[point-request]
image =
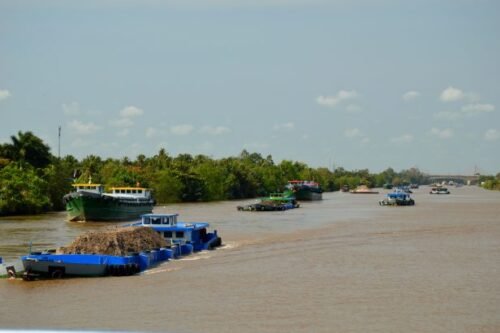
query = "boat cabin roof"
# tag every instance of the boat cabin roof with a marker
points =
(128, 188)
(168, 222)
(85, 185)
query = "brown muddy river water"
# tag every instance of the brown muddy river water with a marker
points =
(344, 264)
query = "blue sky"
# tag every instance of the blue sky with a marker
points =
(357, 84)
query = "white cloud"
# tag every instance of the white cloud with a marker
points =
(71, 109)
(405, 138)
(217, 130)
(410, 95)
(447, 115)
(83, 128)
(123, 132)
(492, 135)
(353, 133)
(451, 94)
(151, 132)
(477, 108)
(353, 108)
(333, 101)
(182, 129)
(442, 134)
(122, 122)
(285, 127)
(4, 94)
(131, 111)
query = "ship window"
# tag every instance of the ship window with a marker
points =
(167, 234)
(179, 234)
(146, 221)
(139, 191)
(128, 191)
(156, 220)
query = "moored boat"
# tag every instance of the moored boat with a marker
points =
(305, 190)
(89, 202)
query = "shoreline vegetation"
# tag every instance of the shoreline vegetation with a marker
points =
(34, 181)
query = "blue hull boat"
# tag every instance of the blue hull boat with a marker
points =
(190, 237)
(45, 264)
(182, 239)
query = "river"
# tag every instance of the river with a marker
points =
(344, 264)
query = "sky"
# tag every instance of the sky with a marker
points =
(356, 84)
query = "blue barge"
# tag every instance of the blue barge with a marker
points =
(188, 236)
(181, 238)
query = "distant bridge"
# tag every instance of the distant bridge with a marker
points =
(465, 179)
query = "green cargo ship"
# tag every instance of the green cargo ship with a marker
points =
(89, 202)
(305, 190)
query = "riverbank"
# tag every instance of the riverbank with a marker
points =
(344, 264)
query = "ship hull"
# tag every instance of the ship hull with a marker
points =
(88, 207)
(306, 194)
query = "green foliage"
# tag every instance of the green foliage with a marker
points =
(32, 180)
(22, 191)
(490, 182)
(27, 148)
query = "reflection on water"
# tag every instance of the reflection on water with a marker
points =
(344, 264)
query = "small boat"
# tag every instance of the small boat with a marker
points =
(188, 236)
(397, 198)
(89, 202)
(439, 190)
(274, 202)
(305, 190)
(363, 189)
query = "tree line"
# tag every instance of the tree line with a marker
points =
(32, 180)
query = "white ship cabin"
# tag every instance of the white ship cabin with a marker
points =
(132, 192)
(94, 188)
(166, 220)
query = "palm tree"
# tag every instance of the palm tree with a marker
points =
(28, 148)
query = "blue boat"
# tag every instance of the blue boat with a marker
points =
(188, 237)
(52, 265)
(397, 198)
(182, 239)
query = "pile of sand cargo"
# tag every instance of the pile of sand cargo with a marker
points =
(116, 241)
